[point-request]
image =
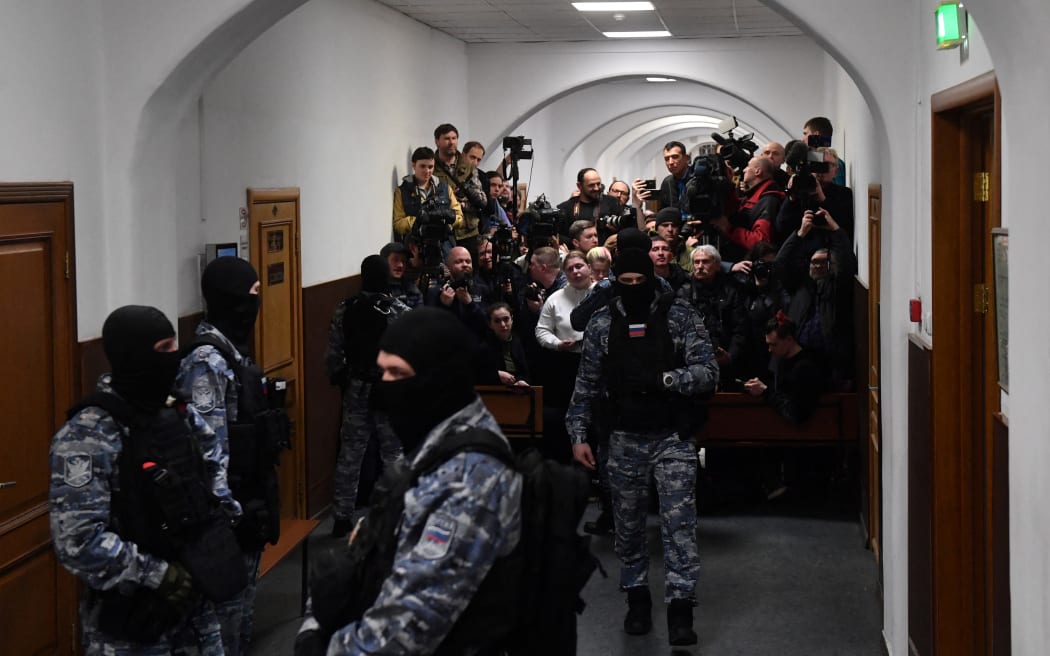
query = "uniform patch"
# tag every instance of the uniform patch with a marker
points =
(77, 470)
(636, 330)
(437, 538)
(203, 395)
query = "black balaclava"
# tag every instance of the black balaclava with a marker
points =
(143, 377)
(375, 274)
(633, 238)
(636, 298)
(230, 308)
(441, 351)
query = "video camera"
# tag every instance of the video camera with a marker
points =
(706, 189)
(433, 226)
(805, 160)
(539, 222)
(519, 147)
(736, 151)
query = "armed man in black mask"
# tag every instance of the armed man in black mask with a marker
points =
(247, 414)
(136, 511)
(645, 357)
(458, 517)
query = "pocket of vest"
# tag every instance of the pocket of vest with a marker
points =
(214, 560)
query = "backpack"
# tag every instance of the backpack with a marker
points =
(528, 602)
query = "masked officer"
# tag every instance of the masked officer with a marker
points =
(644, 356)
(222, 383)
(353, 344)
(457, 519)
(134, 505)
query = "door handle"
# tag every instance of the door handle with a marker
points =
(873, 388)
(4, 484)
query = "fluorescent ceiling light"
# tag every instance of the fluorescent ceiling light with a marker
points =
(660, 79)
(637, 35)
(614, 6)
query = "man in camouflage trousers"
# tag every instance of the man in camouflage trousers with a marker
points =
(457, 519)
(644, 357)
(131, 591)
(353, 344)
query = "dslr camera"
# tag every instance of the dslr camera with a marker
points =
(627, 218)
(761, 270)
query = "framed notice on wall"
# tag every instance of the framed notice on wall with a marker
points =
(1000, 249)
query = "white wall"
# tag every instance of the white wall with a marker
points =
(331, 100)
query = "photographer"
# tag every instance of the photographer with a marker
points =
(421, 192)
(460, 293)
(672, 189)
(590, 203)
(495, 215)
(821, 300)
(459, 174)
(753, 222)
(821, 192)
(764, 296)
(668, 227)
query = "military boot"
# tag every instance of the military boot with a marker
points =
(680, 622)
(639, 620)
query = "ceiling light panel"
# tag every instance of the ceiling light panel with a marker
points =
(652, 34)
(613, 6)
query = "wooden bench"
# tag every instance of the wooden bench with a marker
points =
(518, 410)
(739, 419)
(293, 533)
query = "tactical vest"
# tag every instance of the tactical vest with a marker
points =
(364, 323)
(262, 429)
(164, 504)
(652, 353)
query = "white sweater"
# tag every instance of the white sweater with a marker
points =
(554, 326)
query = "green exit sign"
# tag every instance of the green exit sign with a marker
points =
(951, 25)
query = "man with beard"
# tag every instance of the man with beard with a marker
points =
(401, 286)
(222, 383)
(590, 203)
(461, 176)
(459, 516)
(461, 294)
(649, 354)
(107, 522)
(353, 342)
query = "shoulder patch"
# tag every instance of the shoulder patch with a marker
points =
(437, 537)
(203, 395)
(76, 469)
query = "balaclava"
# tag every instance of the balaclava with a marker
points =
(375, 274)
(143, 377)
(226, 283)
(633, 238)
(441, 351)
(636, 298)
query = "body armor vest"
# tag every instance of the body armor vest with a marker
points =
(653, 353)
(256, 438)
(364, 323)
(164, 504)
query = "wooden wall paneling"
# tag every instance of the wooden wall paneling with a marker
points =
(1000, 557)
(323, 404)
(861, 363)
(920, 500)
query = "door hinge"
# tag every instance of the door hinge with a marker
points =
(980, 298)
(67, 265)
(980, 186)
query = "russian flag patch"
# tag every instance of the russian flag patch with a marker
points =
(437, 538)
(636, 330)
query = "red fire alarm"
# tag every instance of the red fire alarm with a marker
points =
(915, 310)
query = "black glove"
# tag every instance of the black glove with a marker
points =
(176, 588)
(310, 643)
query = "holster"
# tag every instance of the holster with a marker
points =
(215, 562)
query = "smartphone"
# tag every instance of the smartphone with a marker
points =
(650, 185)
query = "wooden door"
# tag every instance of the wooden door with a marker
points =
(965, 208)
(37, 343)
(874, 441)
(274, 239)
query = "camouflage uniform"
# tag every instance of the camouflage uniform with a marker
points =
(360, 422)
(457, 521)
(207, 382)
(84, 456)
(634, 455)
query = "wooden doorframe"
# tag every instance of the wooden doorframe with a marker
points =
(873, 375)
(297, 455)
(961, 253)
(66, 390)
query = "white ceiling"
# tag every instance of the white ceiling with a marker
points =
(521, 21)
